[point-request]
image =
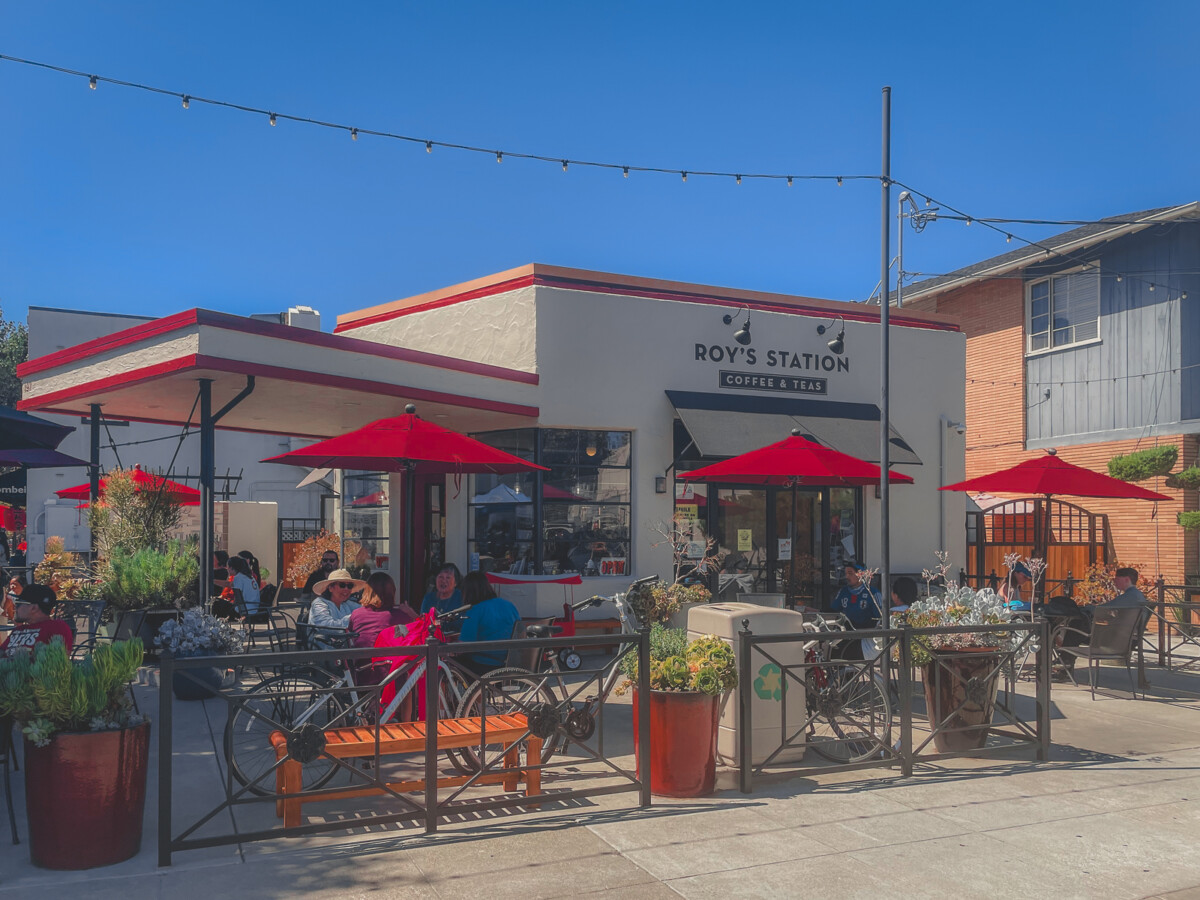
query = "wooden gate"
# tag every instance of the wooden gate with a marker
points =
(1067, 536)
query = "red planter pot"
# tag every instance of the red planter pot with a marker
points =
(683, 742)
(84, 796)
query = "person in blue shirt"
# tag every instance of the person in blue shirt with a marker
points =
(445, 595)
(1013, 590)
(490, 618)
(858, 602)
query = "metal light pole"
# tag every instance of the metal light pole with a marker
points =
(885, 506)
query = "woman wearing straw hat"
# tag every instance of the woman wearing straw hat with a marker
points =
(332, 608)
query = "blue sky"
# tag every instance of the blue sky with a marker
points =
(117, 200)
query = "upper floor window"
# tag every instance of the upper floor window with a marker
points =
(1063, 309)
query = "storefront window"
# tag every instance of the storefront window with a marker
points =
(581, 507)
(365, 507)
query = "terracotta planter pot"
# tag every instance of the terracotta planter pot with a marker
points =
(683, 742)
(84, 796)
(963, 681)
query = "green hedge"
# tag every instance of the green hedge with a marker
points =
(1143, 464)
(1189, 520)
(1188, 479)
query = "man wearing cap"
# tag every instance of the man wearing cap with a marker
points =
(857, 601)
(34, 625)
(332, 608)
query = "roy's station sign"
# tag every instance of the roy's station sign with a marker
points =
(774, 370)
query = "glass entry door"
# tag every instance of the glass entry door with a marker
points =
(742, 538)
(798, 530)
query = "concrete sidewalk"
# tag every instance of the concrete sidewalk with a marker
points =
(1116, 813)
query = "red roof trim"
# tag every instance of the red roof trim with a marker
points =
(108, 342)
(501, 287)
(65, 411)
(245, 325)
(361, 384)
(238, 367)
(581, 284)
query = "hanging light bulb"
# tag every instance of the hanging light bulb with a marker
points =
(839, 180)
(564, 162)
(739, 178)
(92, 82)
(684, 174)
(1152, 286)
(1008, 239)
(1120, 278)
(929, 202)
(625, 171)
(429, 146)
(1183, 296)
(789, 181)
(187, 101)
(272, 120)
(968, 221)
(499, 157)
(354, 134)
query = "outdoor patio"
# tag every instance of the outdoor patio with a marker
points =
(1112, 814)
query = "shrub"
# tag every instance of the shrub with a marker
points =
(59, 569)
(1143, 464)
(658, 601)
(706, 664)
(1188, 479)
(128, 519)
(151, 578)
(1189, 520)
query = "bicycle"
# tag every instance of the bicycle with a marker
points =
(314, 694)
(849, 715)
(540, 692)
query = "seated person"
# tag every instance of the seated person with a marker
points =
(242, 580)
(1128, 596)
(445, 595)
(904, 594)
(34, 625)
(329, 562)
(490, 618)
(858, 602)
(1013, 590)
(16, 585)
(333, 607)
(378, 610)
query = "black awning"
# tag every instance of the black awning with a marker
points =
(724, 425)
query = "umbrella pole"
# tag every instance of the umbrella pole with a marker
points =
(410, 511)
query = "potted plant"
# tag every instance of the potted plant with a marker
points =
(686, 684)
(198, 634)
(147, 587)
(85, 752)
(961, 672)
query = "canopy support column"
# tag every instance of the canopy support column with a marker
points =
(208, 475)
(94, 464)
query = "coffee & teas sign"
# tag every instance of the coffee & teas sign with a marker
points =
(774, 369)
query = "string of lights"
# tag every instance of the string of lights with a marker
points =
(1063, 382)
(354, 132)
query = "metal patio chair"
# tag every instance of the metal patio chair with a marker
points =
(1115, 636)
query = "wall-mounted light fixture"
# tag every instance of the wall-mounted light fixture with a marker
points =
(838, 344)
(660, 484)
(742, 335)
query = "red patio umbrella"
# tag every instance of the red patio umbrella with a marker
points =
(410, 445)
(797, 460)
(1048, 475)
(143, 481)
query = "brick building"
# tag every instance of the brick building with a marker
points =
(1089, 343)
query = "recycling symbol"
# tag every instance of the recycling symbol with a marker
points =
(769, 683)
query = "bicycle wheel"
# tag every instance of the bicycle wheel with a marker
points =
(280, 702)
(455, 684)
(506, 692)
(851, 715)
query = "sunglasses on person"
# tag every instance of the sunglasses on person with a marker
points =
(344, 584)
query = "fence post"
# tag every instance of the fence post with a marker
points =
(643, 723)
(904, 685)
(1043, 689)
(165, 677)
(745, 686)
(1161, 586)
(1069, 585)
(431, 730)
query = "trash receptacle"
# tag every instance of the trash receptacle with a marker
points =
(766, 691)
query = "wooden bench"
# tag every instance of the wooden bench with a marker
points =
(409, 737)
(599, 626)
